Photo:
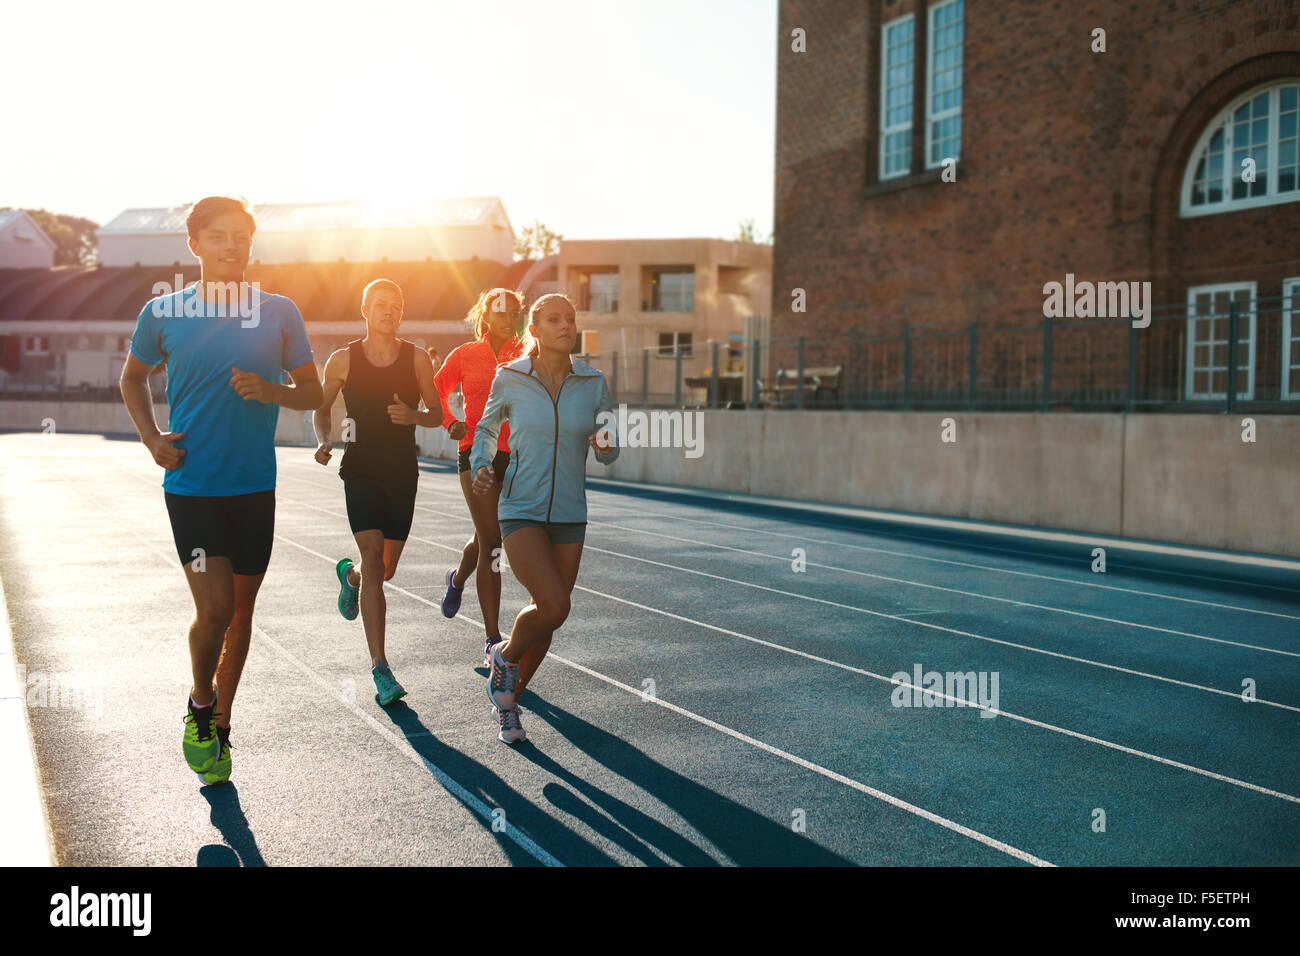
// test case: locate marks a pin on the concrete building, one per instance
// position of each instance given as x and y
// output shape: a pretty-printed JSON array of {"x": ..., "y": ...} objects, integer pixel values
[
  {"x": 24, "y": 244},
  {"x": 443, "y": 230},
  {"x": 658, "y": 301},
  {"x": 1108, "y": 141},
  {"x": 70, "y": 327}
]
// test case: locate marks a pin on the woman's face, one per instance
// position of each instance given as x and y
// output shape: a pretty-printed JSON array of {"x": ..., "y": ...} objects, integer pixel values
[
  {"x": 503, "y": 313},
  {"x": 555, "y": 326}
]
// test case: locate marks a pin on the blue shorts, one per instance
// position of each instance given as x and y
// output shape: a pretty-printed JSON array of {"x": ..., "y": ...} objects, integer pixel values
[{"x": 561, "y": 532}]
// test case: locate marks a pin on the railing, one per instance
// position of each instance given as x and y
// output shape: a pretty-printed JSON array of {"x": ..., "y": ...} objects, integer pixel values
[{"x": 1041, "y": 364}]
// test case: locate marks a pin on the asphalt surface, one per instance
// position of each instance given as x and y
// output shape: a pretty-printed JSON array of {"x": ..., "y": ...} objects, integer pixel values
[{"x": 706, "y": 703}]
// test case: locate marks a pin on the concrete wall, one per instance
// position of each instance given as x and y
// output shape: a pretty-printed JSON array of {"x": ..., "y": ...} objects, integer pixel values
[{"x": 1184, "y": 479}]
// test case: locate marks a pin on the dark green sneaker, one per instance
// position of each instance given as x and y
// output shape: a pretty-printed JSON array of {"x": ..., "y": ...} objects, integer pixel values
[
  {"x": 387, "y": 689},
  {"x": 348, "y": 606},
  {"x": 200, "y": 744}
]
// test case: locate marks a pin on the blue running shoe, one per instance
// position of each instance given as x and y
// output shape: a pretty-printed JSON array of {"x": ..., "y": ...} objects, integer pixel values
[
  {"x": 348, "y": 606},
  {"x": 451, "y": 601},
  {"x": 387, "y": 690}
]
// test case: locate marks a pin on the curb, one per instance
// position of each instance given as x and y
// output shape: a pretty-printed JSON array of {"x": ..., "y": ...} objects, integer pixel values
[{"x": 25, "y": 838}]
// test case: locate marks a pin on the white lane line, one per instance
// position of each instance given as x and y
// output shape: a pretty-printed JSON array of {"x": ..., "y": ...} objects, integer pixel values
[
  {"x": 25, "y": 835},
  {"x": 938, "y": 587},
  {"x": 920, "y": 584},
  {"x": 1244, "y": 784},
  {"x": 636, "y": 513},
  {"x": 768, "y": 748},
  {"x": 965, "y": 524},
  {"x": 397, "y": 740},
  {"x": 910, "y": 619}
]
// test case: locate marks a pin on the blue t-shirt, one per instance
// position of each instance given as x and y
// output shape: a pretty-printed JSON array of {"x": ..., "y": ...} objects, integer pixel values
[{"x": 229, "y": 442}]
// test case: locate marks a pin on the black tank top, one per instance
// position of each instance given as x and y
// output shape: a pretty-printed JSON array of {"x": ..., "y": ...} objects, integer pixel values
[{"x": 380, "y": 449}]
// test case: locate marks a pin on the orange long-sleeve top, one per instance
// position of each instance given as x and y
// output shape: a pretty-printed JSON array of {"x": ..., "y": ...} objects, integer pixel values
[{"x": 472, "y": 366}]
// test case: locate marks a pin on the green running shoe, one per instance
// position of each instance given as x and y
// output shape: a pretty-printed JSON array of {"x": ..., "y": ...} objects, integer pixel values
[
  {"x": 348, "y": 606},
  {"x": 386, "y": 686},
  {"x": 220, "y": 771},
  {"x": 200, "y": 744}
]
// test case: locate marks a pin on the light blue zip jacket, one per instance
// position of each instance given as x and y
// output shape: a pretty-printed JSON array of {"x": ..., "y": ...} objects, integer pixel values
[{"x": 547, "y": 476}]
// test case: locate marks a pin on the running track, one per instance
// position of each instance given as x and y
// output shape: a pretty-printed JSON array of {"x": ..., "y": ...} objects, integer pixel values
[{"x": 772, "y": 693}]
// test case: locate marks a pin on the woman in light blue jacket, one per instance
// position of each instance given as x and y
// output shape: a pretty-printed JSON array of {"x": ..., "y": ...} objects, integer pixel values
[{"x": 551, "y": 401}]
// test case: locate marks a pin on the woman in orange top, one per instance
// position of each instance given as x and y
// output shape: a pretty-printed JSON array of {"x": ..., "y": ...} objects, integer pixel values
[{"x": 497, "y": 320}]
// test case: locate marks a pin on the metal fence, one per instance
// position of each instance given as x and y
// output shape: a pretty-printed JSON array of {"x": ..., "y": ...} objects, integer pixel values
[
  {"x": 1174, "y": 359},
  {"x": 1177, "y": 362}
]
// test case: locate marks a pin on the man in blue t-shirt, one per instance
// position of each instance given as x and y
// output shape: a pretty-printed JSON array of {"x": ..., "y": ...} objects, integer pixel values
[{"x": 226, "y": 345}]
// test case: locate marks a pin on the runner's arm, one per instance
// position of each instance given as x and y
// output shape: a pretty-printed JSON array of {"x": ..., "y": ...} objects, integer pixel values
[
  {"x": 304, "y": 395},
  {"x": 445, "y": 381},
  {"x": 435, "y": 412},
  {"x": 605, "y": 419},
  {"x": 496, "y": 411},
  {"x": 336, "y": 375}
]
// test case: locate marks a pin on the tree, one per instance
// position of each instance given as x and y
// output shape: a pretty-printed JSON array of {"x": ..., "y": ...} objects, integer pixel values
[
  {"x": 74, "y": 237},
  {"x": 745, "y": 232},
  {"x": 536, "y": 242}
]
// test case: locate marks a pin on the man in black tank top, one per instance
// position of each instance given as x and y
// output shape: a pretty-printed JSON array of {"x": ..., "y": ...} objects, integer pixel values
[{"x": 382, "y": 379}]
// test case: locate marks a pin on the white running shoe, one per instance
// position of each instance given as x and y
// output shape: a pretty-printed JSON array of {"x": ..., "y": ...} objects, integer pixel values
[{"x": 512, "y": 731}]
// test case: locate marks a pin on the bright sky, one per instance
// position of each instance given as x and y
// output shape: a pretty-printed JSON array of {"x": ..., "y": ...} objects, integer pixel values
[{"x": 602, "y": 118}]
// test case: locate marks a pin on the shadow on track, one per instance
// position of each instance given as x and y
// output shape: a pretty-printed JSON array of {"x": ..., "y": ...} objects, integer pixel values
[
  {"x": 745, "y": 837},
  {"x": 547, "y": 831},
  {"x": 228, "y": 817}
]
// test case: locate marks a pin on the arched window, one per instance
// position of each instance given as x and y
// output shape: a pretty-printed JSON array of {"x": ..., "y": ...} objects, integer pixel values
[{"x": 1248, "y": 155}]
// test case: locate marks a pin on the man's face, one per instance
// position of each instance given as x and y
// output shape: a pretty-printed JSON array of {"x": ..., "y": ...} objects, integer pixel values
[
  {"x": 384, "y": 311},
  {"x": 223, "y": 246}
]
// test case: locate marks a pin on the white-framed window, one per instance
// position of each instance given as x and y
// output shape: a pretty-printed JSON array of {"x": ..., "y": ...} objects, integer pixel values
[
  {"x": 943, "y": 82},
  {"x": 602, "y": 292},
  {"x": 1261, "y": 126},
  {"x": 36, "y": 345},
  {"x": 1208, "y": 312},
  {"x": 897, "y": 44},
  {"x": 1291, "y": 339},
  {"x": 670, "y": 343}
]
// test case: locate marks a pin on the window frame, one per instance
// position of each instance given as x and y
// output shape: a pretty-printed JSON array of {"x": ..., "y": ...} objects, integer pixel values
[
  {"x": 886, "y": 131},
  {"x": 931, "y": 118},
  {"x": 656, "y": 282},
  {"x": 1211, "y": 396},
  {"x": 1289, "y": 312},
  {"x": 1223, "y": 120},
  {"x": 591, "y": 295},
  {"x": 677, "y": 344}
]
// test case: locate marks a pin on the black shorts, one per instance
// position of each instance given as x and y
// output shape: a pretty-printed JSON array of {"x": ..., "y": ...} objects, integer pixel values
[
  {"x": 240, "y": 528},
  {"x": 381, "y": 504},
  {"x": 500, "y": 462}
]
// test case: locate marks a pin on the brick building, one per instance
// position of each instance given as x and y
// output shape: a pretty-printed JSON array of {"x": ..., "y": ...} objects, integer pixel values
[{"x": 1122, "y": 165}]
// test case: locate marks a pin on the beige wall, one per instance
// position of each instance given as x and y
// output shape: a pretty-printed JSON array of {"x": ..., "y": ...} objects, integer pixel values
[{"x": 1184, "y": 479}]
